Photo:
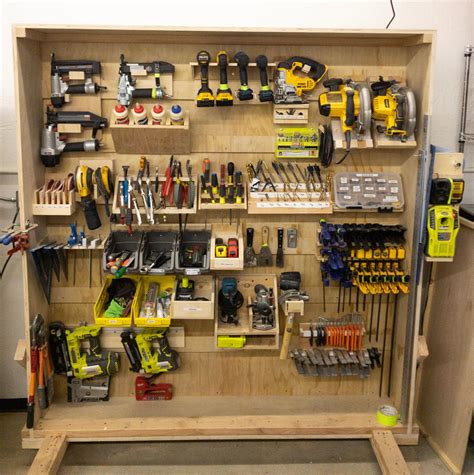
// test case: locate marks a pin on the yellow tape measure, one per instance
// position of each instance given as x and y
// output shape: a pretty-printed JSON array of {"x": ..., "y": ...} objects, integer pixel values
[{"x": 387, "y": 416}]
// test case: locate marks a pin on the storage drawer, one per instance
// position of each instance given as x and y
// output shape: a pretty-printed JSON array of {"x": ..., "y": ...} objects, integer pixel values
[
  {"x": 166, "y": 283},
  {"x": 204, "y": 287},
  {"x": 155, "y": 242},
  {"x": 119, "y": 241},
  {"x": 190, "y": 240},
  {"x": 100, "y": 305}
]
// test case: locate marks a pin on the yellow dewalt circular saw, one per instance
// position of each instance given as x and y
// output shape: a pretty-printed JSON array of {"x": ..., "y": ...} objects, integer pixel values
[
  {"x": 351, "y": 103},
  {"x": 296, "y": 77},
  {"x": 395, "y": 105}
]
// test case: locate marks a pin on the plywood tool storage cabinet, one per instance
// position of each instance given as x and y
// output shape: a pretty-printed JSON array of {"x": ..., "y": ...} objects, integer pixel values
[{"x": 220, "y": 393}]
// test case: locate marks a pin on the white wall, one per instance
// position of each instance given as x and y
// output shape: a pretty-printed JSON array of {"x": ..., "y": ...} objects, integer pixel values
[{"x": 453, "y": 21}]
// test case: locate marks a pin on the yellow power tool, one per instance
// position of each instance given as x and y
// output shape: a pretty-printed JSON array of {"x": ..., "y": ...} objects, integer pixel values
[
  {"x": 295, "y": 77},
  {"x": 443, "y": 227},
  {"x": 351, "y": 103},
  {"x": 224, "y": 93},
  {"x": 84, "y": 185},
  {"x": 396, "y": 106},
  {"x": 204, "y": 96},
  {"x": 94, "y": 361}
]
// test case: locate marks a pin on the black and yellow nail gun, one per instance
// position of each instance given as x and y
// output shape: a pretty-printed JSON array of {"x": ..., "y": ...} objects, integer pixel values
[
  {"x": 296, "y": 77},
  {"x": 396, "y": 107},
  {"x": 87, "y": 367},
  {"x": 144, "y": 357}
]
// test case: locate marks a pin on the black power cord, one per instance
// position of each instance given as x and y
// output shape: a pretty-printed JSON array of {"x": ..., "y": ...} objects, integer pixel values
[
  {"x": 393, "y": 16},
  {"x": 326, "y": 147}
]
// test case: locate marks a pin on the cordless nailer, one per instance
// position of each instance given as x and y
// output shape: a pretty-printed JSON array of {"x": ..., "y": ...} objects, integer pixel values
[
  {"x": 144, "y": 357},
  {"x": 88, "y": 368}
]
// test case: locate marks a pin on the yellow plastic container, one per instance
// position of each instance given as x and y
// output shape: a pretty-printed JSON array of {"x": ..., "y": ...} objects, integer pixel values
[
  {"x": 99, "y": 307},
  {"x": 165, "y": 282}
]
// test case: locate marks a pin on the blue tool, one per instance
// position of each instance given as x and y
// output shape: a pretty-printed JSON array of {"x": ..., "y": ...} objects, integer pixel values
[{"x": 73, "y": 237}]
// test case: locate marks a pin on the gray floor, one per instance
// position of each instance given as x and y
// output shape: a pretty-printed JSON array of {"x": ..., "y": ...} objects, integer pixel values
[{"x": 235, "y": 457}]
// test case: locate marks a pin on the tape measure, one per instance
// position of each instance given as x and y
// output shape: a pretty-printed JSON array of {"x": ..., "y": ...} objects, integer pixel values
[{"x": 387, "y": 416}]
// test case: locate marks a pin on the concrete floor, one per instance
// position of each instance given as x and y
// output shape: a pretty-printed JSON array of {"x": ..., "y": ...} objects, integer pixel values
[{"x": 212, "y": 458}]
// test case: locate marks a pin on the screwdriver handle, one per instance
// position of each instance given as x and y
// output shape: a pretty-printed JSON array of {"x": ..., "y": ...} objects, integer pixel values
[
  {"x": 211, "y": 194},
  {"x": 230, "y": 172},
  {"x": 222, "y": 174},
  {"x": 203, "y": 184},
  {"x": 222, "y": 194},
  {"x": 215, "y": 183},
  {"x": 206, "y": 169}
]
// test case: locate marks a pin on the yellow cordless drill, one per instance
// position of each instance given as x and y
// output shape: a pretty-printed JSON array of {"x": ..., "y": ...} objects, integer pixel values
[
  {"x": 204, "y": 97},
  {"x": 224, "y": 93}
]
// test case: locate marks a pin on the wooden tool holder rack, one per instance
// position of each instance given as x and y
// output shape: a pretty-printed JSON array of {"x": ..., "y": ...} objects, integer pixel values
[{"x": 269, "y": 399}]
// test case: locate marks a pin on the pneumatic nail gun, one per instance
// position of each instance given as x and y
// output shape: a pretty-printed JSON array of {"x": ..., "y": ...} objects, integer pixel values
[{"x": 53, "y": 144}]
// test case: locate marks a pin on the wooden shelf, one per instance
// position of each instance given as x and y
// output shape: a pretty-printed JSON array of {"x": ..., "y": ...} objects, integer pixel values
[
  {"x": 438, "y": 259},
  {"x": 150, "y": 139},
  {"x": 383, "y": 141},
  {"x": 246, "y": 284}
]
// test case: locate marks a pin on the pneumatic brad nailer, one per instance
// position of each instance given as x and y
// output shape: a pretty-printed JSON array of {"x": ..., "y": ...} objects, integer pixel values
[
  {"x": 53, "y": 143},
  {"x": 73, "y": 76}
]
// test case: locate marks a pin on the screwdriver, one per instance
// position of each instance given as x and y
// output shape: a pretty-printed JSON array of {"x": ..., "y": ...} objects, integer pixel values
[
  {"x": 222, "y": 186},
  {"x": 206, "y": 169},
  {"x": 230, "y": 173},
  {"x": 240, "y": 188},
  {"x": 214, "y": 183},
  {"x": 203, "y": 184},
  {"x": 211, "y": 194}
]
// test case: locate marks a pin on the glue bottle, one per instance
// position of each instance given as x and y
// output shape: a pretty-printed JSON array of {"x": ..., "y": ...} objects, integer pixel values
[
  {"x": 139, "y": 114},
  {"x": 121, "y": 114},
  {"x": 157, "y": 115},
  {"x": 176, "y": 115}
]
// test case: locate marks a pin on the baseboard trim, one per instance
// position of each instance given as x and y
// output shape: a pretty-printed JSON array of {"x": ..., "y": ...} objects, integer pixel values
[{"x": 13, "y": 405}]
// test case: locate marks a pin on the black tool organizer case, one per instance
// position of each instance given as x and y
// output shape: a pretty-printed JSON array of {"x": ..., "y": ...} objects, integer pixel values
[
  {"x": 191, "y": 239},
  {"x": 123, "y": 241},
  {"x": 155, "y": 242}
]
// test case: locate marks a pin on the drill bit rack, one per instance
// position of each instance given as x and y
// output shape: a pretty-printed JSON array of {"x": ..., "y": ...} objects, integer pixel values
[{"x": 289, "y": 199}]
